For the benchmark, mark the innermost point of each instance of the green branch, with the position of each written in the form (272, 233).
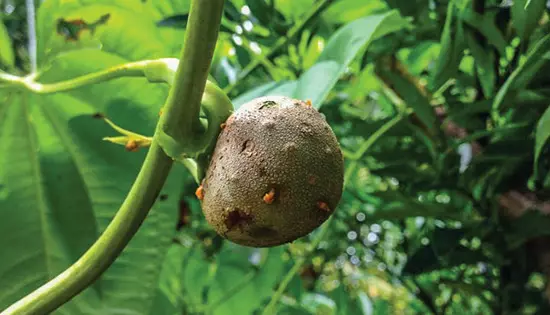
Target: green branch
(159, 70)
(279, 44)
(295, 269)
(190, 80)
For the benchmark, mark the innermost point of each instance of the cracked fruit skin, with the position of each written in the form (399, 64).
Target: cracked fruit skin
(275, 175)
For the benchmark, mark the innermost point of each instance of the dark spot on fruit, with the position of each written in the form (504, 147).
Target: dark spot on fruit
(98, 115)
(307, 131)
(290, 147)
(261, 171)
(237, 218)
(262, 232)
(269, 124)
(247, 146)
(268, 104)
(321, 205)
(163, 197)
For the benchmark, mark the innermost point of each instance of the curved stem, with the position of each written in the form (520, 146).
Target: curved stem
(159, 70)
(150, 179)
(182, 122)
(365, 146)
(294, 270)
(282, 42)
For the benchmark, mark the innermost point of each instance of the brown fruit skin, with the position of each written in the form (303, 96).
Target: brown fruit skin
(276, 173)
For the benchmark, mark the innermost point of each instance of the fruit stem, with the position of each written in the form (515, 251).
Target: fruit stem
(185, 100)
(180, 126)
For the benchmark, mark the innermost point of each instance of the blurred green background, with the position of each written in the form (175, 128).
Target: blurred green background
(441, 109)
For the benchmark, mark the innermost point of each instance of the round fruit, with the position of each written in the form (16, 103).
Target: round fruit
(275, 175)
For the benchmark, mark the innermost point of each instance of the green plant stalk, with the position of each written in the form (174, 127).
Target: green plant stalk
(153, 174)
(365, 146)
(270, 308)
(174, 124)
(281, 42)
(158, 70)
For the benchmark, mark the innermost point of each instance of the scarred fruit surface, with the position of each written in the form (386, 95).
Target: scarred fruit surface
(275, 175)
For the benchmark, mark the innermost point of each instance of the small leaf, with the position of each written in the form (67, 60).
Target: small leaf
(523, 74)
(541, 136)
(484, 63)
(485, 25)
(341, 49)
(395, 75)
(526, 15)
(452, 48)
(318, 304)
(7, 57)
(365, 303)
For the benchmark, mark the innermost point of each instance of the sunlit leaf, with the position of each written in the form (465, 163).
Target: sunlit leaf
(7, 57)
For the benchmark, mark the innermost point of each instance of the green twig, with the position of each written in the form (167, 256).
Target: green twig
(294, 270)
(365, 146)
(159, 70)
(190, 80)
(279, 44)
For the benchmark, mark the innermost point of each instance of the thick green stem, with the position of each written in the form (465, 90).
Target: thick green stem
(182, 122)
(189, 83)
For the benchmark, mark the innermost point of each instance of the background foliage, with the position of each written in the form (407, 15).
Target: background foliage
(441, 108)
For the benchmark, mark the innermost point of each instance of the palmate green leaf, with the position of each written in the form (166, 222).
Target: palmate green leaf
(342, 47)
(7, 57)
(131, 30)
(35, 245)
(61, 184)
